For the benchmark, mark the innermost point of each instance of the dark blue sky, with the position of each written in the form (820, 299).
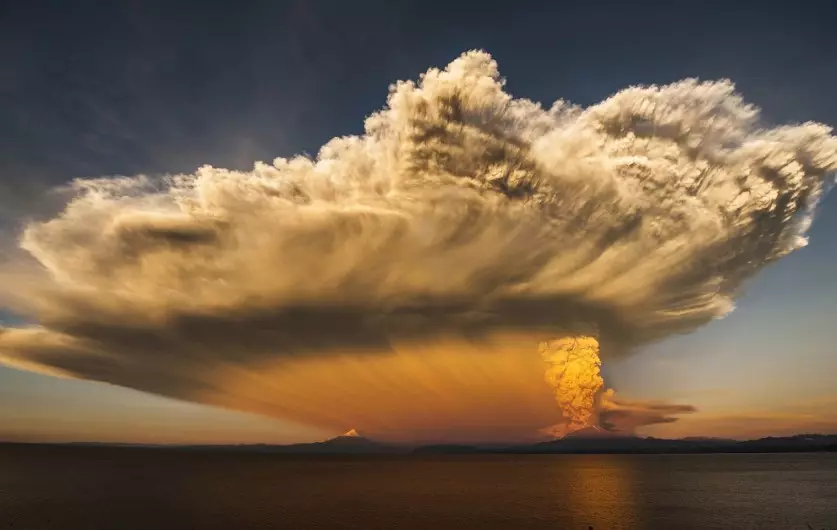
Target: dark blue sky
(103, 88)
(95, 88)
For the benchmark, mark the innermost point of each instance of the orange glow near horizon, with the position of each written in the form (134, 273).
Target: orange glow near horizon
(451, 390)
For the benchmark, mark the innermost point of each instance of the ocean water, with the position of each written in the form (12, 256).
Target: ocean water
(99, 488)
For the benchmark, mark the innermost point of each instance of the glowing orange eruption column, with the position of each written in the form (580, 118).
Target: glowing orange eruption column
(573, 371)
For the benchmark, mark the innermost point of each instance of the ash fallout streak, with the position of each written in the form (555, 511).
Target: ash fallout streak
(402, 281)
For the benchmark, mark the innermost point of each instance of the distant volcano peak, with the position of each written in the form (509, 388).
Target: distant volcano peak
(592, 432)
(350, 438)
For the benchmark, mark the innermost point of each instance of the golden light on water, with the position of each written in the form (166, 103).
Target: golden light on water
(600, 487)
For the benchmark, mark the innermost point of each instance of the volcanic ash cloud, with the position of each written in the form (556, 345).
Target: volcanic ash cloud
(460, 213)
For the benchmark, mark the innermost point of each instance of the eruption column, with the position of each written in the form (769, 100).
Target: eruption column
(573, 371)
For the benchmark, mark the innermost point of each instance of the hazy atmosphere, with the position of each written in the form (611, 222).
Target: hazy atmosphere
(285, 221)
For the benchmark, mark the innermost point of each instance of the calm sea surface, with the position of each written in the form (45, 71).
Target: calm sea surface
(90, 489)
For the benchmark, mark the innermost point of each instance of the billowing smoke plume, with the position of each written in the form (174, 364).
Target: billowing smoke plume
(461, 213)
(620, 415)
(574, 372)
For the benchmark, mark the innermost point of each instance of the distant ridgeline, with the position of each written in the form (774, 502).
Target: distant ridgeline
(573, 444)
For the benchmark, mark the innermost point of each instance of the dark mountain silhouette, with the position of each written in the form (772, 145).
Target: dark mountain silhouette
(602, 442)
(597, 443)
(708, 439)
(592, 432)
(586, 441)
(345, 444)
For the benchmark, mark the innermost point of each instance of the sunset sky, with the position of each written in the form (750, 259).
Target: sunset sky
(100, 89)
